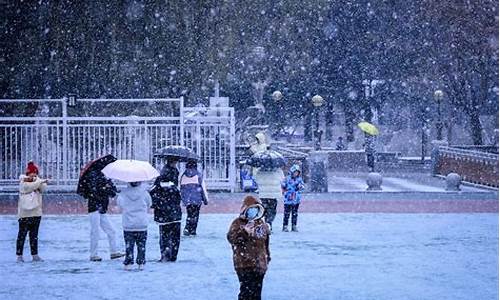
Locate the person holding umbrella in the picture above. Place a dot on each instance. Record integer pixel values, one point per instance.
(370, 151)
(134, 202)
(97, 189)
(268, 175)
(166, 202)
(370, 132)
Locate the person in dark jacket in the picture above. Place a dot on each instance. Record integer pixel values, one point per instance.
(340, 146)
(249, 239)
(166, 199)
(370, 152)
(98, 191)
(193, 193)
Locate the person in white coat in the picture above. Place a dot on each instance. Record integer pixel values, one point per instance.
(269, 183)
(259, 144)
(29, 210)
(134, 202)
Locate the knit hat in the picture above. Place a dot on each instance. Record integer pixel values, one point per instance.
(31, 168)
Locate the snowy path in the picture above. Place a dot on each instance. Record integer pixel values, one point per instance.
(357, 182)
(334, 256)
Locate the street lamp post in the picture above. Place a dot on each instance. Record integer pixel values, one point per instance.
(318, 160)
(438, 96)
(277, 96)
(368, 89)
(317, 102)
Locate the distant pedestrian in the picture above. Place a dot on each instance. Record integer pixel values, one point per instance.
(193, 194)
(98, 191)
(249, 239)
(134, 202)
(29, 210)
(269, 183)
(293, 185)
(166, 199)
(370, 151)
(340, 146)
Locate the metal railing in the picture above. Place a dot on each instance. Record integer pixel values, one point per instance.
(473, 166)
(62, 145)
(469, 154)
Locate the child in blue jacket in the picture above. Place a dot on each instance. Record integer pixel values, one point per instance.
(292, 186)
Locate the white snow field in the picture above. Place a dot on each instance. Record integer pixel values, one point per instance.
(334, 256)
(357, 182)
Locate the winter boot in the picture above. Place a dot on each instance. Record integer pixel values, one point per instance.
(20, 259)
(294, 228)
(37, 258)
(186, 232)
(95, 258)
(140, 267)
(127, 267)
(285, 228)
(117, 255)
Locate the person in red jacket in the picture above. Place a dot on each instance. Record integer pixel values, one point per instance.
(249, 238)
(29, 210)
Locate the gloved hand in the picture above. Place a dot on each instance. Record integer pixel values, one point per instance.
(250, 228)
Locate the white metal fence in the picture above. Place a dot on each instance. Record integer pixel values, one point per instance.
(61, 146)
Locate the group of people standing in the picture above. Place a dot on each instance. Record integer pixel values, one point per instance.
(248, 234)
(273, 185)
(165, 199)
(135, 201)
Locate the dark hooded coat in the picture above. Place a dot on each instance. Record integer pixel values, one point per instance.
(166, 198)
(250, 250)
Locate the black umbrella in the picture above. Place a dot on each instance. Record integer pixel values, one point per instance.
(95, 165)
(268, 159)
(179, 152)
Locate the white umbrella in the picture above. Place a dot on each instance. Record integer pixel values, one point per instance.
(130, 170)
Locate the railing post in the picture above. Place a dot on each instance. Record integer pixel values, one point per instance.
(181, 120)
(232, 151)
(64, 104)
(198, 137)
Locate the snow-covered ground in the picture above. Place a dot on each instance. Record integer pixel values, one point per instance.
(334, 256)
(393, 182)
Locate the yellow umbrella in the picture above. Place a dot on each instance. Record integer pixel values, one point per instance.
(368, 128)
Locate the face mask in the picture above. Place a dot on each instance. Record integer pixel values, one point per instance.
(252, 212)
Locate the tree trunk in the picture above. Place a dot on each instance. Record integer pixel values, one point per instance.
(329, 123)
(349, 122)
(308, 126)
(476, 127)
